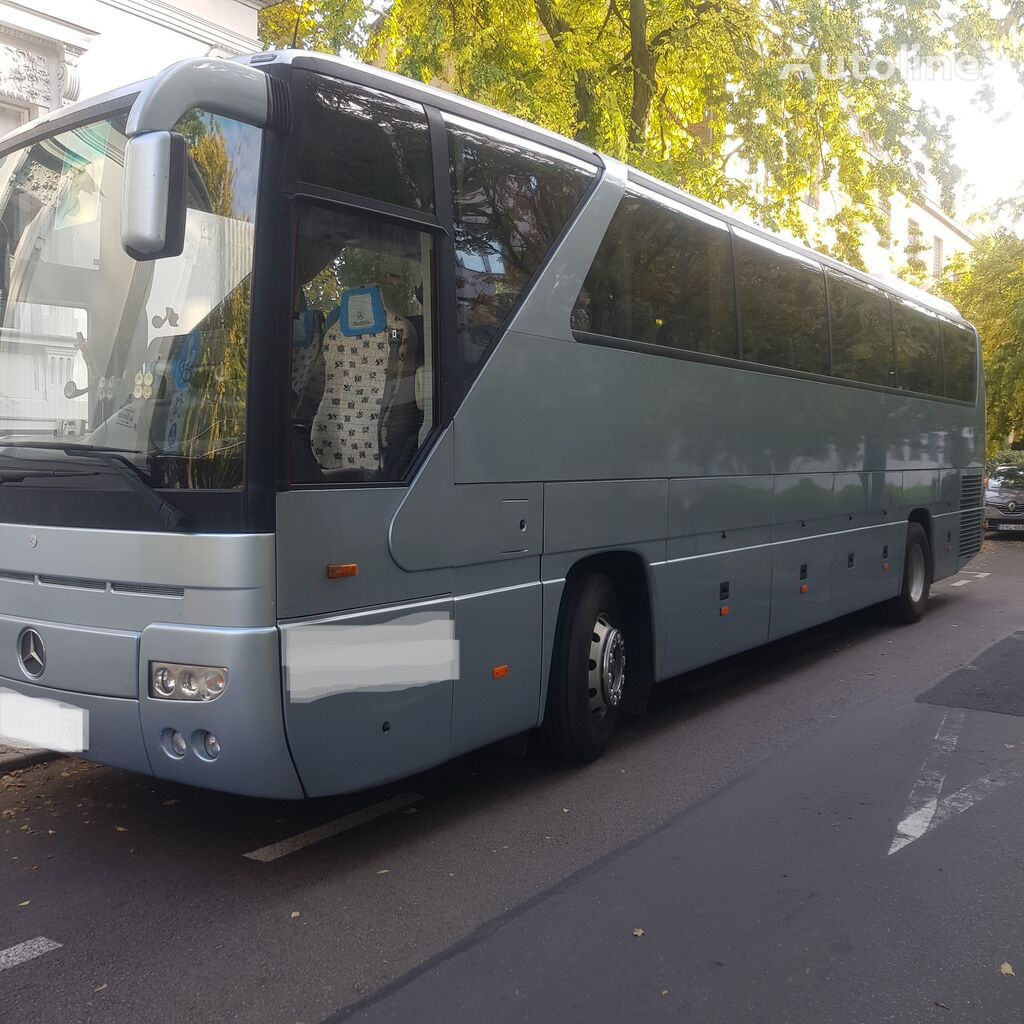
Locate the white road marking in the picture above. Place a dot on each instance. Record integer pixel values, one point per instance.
(980, 575)
(924, 797)
(29, 950)
(963, 799)
(960, 583)
(275, 851)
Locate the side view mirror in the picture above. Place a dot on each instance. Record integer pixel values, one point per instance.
(153, 200)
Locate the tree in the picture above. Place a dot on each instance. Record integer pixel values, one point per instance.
(748, 104)
(987, 286)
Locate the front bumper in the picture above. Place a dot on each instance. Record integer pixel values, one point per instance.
(247, 719)
(998, 519)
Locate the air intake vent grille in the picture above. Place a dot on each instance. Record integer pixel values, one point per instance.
(17, 577)
(72, 581)
(147, 590)
(970, 515)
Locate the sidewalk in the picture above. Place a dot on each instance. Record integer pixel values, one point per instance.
(11, 759)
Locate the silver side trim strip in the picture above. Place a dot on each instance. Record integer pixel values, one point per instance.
(774, 543)
(364, 612)
(497, 590)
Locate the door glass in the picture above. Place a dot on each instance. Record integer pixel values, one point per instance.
(362, 348)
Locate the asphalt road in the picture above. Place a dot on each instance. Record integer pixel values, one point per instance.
(790, 836)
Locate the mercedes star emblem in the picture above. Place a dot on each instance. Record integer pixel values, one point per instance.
(31, 653)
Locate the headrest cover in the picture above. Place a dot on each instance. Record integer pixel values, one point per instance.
(361, 311)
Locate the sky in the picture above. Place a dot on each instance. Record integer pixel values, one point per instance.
(989, 146)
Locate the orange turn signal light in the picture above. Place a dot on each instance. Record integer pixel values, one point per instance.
(340, 571)
(499, 671)
(724, 610)
(804, 588)
(885, 567)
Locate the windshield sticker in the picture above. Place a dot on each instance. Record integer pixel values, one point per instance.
(186, 361)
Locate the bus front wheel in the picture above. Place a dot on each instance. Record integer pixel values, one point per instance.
(588, 672)
(908, 606)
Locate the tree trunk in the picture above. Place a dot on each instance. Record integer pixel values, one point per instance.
(644, 65)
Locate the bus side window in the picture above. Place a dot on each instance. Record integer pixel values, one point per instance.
(782, 306)
(861, 323)
(918, 348)
(960, 361)
(663, 276)
(362, 348)
(510, 202)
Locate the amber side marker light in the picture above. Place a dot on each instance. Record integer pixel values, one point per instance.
(339, 571)
(804, 588)
(724, 610)
(885, 567)
(499, 671)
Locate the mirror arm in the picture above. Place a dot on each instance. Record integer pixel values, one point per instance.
(216, 85)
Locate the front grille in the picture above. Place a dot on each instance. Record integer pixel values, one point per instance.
(72, 581)
(147, 590)
(1004, 508)
(17, 577)
(970, 514)
(97, 586)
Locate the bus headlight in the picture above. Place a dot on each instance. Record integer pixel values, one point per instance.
(170, 681)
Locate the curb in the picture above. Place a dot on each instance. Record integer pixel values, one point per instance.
(13, 760)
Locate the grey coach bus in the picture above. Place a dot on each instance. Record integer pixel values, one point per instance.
(346, 425)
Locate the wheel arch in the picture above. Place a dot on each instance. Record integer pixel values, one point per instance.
(923, 518)
(630, 576)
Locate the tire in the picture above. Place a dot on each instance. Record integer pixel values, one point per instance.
(908, 606)
(588, 672)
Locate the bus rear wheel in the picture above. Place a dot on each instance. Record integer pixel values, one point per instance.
(908, 606)
(588, 672)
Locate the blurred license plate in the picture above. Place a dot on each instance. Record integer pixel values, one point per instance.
(36, 722)
(1009, 526)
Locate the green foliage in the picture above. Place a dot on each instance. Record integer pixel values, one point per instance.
(987, 286)
(702, 93)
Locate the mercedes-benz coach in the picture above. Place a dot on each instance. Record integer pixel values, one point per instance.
(346, 425)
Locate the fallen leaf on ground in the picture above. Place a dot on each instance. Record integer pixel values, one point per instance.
(27, 902)
(637, 932)
(941, 1006)
(384, 871)
(171, 803)
(100, 988)
(295, 914)
(120, 828)
(1005, 968)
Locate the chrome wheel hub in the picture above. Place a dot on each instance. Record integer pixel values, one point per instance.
(917, 573)
(606, 667)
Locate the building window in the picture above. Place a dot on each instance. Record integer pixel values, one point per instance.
(913, 236)
(937, 261)
(11, 117)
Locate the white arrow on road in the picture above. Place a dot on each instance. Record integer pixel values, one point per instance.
(924, 810)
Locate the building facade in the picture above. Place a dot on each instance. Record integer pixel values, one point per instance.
(53, 52)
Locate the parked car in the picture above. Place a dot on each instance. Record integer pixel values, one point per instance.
(1004, 499)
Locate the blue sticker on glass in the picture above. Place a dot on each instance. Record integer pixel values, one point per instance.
(361, 311)
(185, 362)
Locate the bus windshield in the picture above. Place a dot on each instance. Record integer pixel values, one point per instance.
(144, 358)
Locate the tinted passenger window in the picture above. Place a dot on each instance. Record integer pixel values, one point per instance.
(663, 277)
(918, 349)
(510, 202)
(782, 308)
(365, 142)
(861, 331)
(361, 344)
(960, 359)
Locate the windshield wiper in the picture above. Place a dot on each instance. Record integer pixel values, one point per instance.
(116, 459)
(35, 474)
